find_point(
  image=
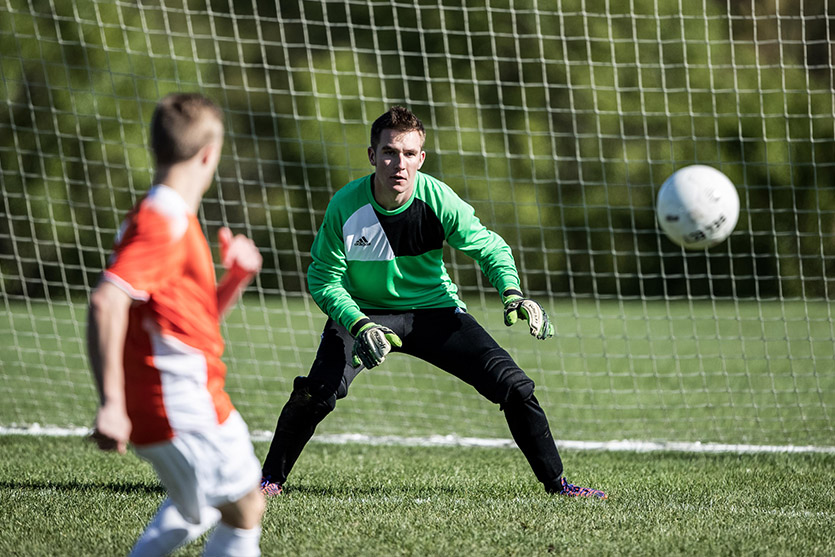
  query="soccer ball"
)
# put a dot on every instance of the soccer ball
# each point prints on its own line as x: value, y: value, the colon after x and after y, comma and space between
x: 698, y: 207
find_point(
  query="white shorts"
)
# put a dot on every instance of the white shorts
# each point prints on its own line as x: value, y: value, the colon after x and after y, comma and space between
x: 206, y: 469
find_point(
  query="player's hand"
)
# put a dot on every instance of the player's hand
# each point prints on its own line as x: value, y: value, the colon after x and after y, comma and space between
x: 372, y: 343
x: 238, y: 252
x: 112, y: 428
x: 516, y: 307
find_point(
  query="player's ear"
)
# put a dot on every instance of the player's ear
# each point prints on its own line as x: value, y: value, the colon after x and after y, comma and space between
x: 210, y: 153
x: 371, y: 156
x: 422, y: 158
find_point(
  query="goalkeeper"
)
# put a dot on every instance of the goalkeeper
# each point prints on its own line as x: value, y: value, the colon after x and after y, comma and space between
x: 378, y: 274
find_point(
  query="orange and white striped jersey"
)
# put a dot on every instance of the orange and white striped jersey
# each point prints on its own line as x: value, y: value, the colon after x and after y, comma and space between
x: 174, y: 375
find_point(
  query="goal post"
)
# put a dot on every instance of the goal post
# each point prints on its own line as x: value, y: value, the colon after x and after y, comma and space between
x: 558, y: 121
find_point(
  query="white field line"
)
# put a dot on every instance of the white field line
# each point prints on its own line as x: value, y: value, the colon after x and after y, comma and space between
x: 456, y: 441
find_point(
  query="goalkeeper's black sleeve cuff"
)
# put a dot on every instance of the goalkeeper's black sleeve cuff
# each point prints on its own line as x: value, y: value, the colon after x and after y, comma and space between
x: 360, y: 323
x: 511, y: 292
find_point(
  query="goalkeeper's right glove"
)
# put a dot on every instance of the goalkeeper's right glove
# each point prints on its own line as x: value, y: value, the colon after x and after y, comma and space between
x: 515, y: 306
x: 372, y: 343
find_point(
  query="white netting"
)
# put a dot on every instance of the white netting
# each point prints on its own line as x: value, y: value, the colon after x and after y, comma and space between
x: 556, y: 121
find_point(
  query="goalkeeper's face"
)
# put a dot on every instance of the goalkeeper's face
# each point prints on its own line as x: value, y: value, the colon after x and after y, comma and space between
x: 396, y: 160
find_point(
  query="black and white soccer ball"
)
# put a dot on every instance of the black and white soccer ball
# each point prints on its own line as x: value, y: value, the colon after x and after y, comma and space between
x: 698, y: 207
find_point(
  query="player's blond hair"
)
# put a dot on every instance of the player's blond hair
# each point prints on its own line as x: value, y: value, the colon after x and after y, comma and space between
x: 182, y: 124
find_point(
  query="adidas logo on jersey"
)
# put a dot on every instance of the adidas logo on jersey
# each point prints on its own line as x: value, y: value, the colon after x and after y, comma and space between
x: 363, y: 241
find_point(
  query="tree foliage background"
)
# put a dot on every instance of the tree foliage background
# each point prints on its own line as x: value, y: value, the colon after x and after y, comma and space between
x: 557, y: 123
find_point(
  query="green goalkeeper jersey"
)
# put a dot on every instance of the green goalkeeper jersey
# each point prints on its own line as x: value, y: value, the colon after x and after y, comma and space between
x: 368, y: 258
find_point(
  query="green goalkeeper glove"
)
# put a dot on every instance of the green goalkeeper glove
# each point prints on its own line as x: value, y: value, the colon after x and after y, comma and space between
x: 515, y: 306
x: 372, y: 343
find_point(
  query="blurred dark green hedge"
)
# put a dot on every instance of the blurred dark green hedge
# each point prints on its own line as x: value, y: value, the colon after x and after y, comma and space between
x: 559, y: 126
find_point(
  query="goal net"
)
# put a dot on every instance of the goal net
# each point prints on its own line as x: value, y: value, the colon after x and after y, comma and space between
x: 557, y: 120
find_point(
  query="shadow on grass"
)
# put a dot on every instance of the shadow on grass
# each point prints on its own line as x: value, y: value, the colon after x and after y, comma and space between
x: 373, y: 490
x: 74, y: 485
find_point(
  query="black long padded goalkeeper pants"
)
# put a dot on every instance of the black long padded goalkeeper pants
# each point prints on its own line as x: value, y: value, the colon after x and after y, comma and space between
x: 448, y: 338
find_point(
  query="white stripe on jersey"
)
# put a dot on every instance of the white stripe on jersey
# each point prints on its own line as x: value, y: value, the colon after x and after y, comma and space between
x: 365, y: 239
x: 183, y: 375
x: 168, y: 202
x: 135, y: 294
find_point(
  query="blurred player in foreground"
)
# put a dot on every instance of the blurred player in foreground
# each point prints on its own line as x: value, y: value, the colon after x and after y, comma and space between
x: 155, y: 345
x: 378, y: 274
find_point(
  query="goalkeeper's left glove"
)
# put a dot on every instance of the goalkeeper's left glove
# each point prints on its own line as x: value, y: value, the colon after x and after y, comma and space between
x: 372, y: 343
x: 515, y: 306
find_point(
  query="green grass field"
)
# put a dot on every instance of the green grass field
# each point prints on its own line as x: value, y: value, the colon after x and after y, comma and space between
x: 730, y: 372
x: 755, y: 373
x: 59, y: 496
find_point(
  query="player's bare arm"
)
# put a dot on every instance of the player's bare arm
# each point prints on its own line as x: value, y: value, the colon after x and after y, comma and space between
x: 242, y: 261
x: 106, y: 329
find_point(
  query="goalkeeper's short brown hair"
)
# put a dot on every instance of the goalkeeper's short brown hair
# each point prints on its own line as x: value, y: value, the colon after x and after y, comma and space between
x: 396, y: 118
x: 182, y: 124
